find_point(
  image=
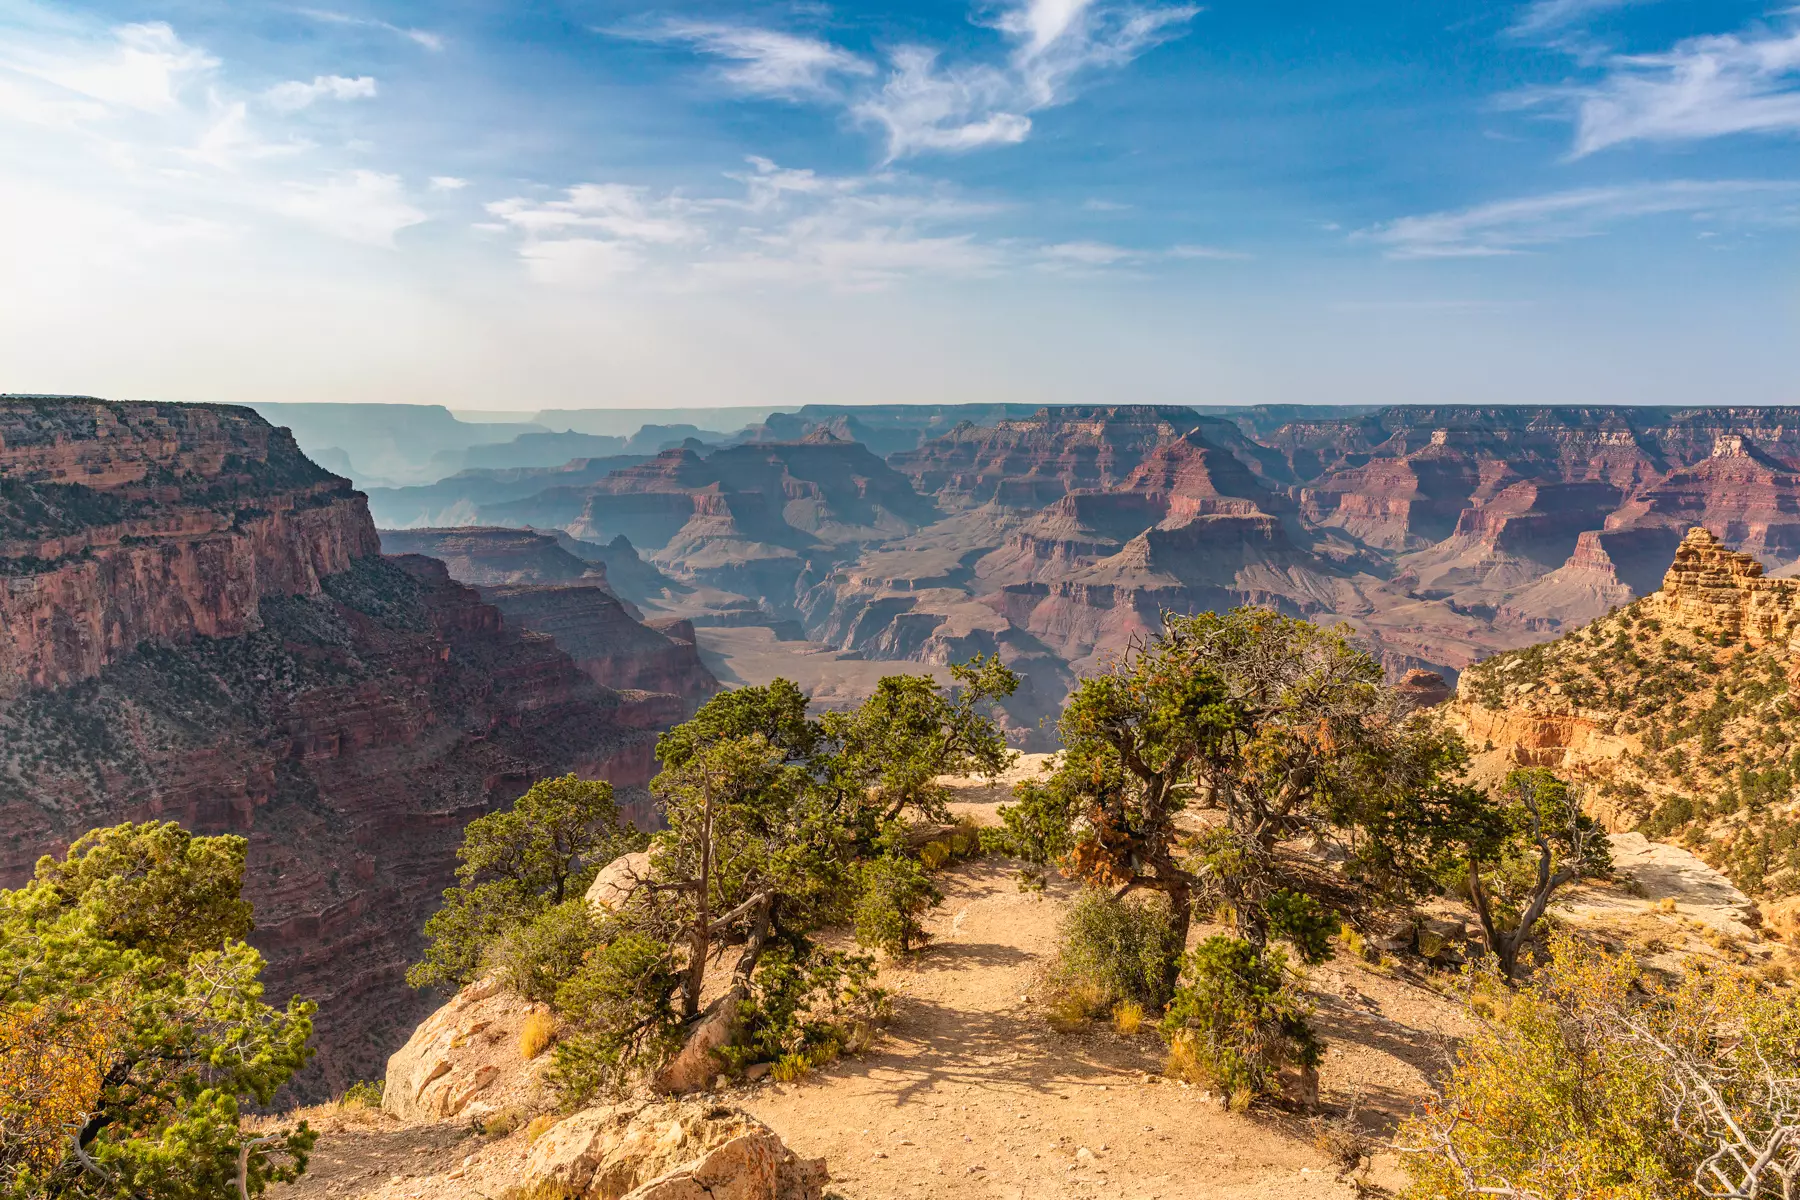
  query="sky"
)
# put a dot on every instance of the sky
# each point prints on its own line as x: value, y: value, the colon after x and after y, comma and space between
x: 520, y: 206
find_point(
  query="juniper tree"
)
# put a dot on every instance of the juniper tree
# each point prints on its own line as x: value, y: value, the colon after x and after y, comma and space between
x: 1283, y: 728
x: 516, y: 864
x: 132, y: 1025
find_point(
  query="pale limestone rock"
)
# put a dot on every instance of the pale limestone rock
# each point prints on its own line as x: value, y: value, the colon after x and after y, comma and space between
x: 464, y: 1060
x: 614, y: 884
x: 681, y: 1151
x: 694, y: 1066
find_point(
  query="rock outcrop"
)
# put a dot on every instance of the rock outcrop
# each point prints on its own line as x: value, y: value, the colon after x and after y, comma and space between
x: 683, y: 1151
x: 592, y: 627
x: 1671, y: 712
x: 492, y: 556
x: 124, y: 523
x: 199, y: 626
x: 464, y: 1060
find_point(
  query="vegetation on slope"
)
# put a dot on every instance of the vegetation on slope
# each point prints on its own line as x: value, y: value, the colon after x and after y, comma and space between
x: 1710, y: 726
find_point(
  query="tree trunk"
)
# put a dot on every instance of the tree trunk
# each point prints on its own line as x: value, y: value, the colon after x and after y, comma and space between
x: 700, y: 938
x: 1181, y: 919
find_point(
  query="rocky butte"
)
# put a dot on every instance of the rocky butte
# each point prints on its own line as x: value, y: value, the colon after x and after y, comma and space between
x: 196, y: 623
x: 1676, y: 712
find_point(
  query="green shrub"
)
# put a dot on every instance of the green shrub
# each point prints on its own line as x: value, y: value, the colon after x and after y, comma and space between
x: 1112, y: 951
x: 807, y: 1008
x: 965, y: 839
x: 536, y: 958
x: 896, y: 894
x: 365, y: 1093
x: 1302, y: 920
x: 1236, y: 1019
x: 933, y: 855
x: 621, y: 1015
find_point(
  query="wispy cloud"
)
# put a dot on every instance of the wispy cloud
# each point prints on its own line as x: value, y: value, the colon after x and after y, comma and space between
x: 360, y: 206
x: 150, y: 120
x: 1703, y: 87
x: 1542, y: 17
x: 142, y: 67
x: 766, y: 62
x: 921, y: 100
x: 422, y: 37
x: 295, y: 94
x: 1521, y: 225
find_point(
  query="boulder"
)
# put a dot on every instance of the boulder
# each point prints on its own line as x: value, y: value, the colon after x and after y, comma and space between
x: 464, y: 1060
x: 694, y: 1066
x: 678, y: 1151
x: 616, y: 880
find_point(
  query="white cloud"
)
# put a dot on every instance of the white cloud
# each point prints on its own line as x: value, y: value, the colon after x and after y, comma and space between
x: 923, y: 108
x: 361, y: 206
x: 146, y: 67
x: 629, y: 213
x: 1517, y: 226
x: 228, y: 141
x: 1212, y: 252
x: 578, y: 262
x: 1549, y: 16
x: 923, y: 104
x: 785, y: 226
x: 295, y: 95
x: 448, y: 183
x: 1090, y: 254
x: 767, y: 62
x: 422, y: 37
x: 1704, y: 87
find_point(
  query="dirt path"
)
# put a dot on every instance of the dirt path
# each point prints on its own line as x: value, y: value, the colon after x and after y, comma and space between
x: 973, y: 1095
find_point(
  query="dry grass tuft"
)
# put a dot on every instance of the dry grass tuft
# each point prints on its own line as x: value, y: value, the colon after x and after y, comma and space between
x: 504, y: 1121
x: 791, y: 1068
x: 539, y: 1126
x: 1074, y: 1005
x: 1128, y: 1017
x: 536, y: 1036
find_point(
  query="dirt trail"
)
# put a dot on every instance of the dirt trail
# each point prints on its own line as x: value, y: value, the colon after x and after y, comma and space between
x: 973, y: 1095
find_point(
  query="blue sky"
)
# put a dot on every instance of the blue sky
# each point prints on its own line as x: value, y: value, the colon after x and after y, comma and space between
x: 523, y: 206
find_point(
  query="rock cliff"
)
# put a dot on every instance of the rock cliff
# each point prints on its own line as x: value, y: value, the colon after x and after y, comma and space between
x: 198, y: 625
x: 1675, y: 712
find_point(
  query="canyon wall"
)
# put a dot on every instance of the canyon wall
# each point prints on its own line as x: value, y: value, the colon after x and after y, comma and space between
x: 199, y: 626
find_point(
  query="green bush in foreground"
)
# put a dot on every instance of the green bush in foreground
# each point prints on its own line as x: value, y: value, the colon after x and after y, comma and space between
x: 1111, y: 951
x: 1236, y: 1020
x: 896, y: 895
x: 132, y: 1027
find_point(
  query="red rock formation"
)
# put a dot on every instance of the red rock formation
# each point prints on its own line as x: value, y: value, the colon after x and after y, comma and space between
x: 593, y: 628
x: 244, y: 660
x: 487, y: 556
x: 1033, y: 462
x: 203, y: 512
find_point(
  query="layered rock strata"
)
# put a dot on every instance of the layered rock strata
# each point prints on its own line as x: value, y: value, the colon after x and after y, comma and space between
x: 1672, y: 713
x: 199, y: 627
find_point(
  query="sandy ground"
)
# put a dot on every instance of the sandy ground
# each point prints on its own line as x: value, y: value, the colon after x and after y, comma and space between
x: 972, y: 1094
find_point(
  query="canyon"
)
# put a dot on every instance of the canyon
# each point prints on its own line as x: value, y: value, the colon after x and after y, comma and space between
x: 1053, y: 537
x: 197, y: 624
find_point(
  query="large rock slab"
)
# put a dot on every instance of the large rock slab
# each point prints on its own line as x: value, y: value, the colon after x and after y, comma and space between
x: 681, y: 1151
x: 465, y: 1059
